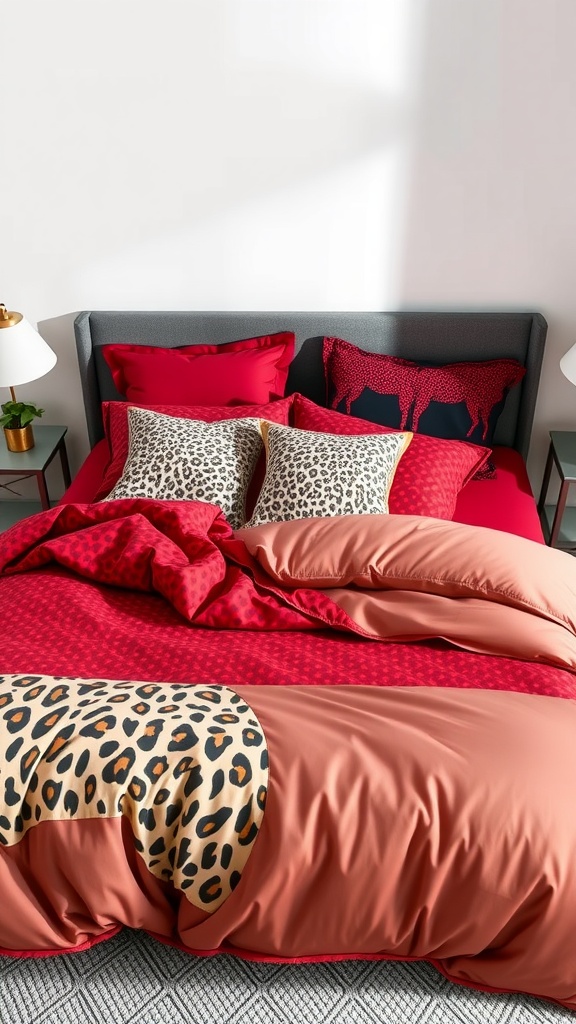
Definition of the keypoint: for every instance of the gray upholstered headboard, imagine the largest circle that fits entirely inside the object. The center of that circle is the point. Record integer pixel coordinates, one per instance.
(437, 336)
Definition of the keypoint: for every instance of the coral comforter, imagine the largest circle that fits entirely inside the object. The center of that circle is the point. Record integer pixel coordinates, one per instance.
(153, 772)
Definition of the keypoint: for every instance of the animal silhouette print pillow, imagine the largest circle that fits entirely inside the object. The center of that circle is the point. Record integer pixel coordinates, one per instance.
(458, 401)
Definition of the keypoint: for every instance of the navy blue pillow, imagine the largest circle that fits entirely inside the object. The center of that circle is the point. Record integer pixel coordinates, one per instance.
(458, 401)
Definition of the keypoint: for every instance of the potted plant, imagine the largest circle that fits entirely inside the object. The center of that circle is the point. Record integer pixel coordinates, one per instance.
(16, 419)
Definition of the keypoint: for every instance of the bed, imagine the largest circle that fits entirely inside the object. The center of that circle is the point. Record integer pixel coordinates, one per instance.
(330, 737)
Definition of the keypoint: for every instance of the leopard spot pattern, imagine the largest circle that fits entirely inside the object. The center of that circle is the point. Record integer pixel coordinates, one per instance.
(188, 460)
(186, 765)
(316, 474)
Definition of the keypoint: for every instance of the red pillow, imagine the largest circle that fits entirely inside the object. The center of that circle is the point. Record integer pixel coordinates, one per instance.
(429, 475)
(240, 372)
(456, 401)
(115, 419)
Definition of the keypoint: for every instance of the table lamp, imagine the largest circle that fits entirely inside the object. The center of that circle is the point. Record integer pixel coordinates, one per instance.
(568, 364)
(24, 356)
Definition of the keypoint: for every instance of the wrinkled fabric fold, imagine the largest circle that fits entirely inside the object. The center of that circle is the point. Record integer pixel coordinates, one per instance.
(407, 578)
(391, 578)
(411, 823)
(426, 815)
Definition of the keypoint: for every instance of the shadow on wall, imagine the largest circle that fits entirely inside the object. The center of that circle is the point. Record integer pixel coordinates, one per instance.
(490, 219)
(243, 220)
(62, 392)
(241, 177)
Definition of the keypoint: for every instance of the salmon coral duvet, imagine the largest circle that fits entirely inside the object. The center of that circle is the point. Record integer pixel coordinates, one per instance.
(331, 738)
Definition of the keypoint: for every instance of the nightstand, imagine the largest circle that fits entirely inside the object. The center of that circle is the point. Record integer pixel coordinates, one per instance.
(49, 441)
(559, 522)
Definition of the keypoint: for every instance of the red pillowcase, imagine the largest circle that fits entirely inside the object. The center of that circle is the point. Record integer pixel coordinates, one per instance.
(240, 372)
(429, 475)
(115, 419)
(456, 401)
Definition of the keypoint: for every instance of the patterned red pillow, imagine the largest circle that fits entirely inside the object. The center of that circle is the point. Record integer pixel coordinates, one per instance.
(429, 475)
(456, 401)
(115, 419)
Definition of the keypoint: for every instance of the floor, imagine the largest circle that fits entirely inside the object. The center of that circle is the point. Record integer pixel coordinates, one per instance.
(131, 979)
(12, 511)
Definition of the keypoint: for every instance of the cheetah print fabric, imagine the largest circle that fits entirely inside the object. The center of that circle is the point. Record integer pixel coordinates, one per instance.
(186, 765)
(315, 474)
(188, 460)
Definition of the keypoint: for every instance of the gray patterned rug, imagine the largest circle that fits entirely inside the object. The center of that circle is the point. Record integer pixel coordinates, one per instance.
(132, 978)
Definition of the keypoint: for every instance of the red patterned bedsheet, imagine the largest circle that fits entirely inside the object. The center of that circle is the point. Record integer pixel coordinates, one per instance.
(58, 623)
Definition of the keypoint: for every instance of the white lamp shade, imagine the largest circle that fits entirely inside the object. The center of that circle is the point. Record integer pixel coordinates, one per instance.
(24, 355)
(568, 364)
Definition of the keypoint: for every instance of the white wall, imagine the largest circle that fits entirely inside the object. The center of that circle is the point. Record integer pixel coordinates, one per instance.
(296, 154)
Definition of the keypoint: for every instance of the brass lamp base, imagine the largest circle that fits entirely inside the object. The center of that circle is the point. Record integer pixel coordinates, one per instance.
(19, 439)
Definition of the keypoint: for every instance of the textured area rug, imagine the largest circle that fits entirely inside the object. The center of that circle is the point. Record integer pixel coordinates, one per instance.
(132, 978)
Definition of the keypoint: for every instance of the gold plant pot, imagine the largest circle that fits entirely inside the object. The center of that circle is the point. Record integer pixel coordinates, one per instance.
(19, 439)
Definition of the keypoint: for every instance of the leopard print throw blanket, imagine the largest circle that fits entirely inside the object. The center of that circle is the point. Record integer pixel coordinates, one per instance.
(186, 765)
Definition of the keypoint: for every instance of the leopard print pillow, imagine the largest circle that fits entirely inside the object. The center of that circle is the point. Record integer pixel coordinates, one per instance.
(314, 474)
(188, 460)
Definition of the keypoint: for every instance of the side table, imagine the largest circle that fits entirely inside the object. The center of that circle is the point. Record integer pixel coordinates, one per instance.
(559, 522)
(22, 465)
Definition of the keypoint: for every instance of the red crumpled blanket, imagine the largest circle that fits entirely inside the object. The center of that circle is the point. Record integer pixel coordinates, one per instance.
(185, 551)
(132, 552)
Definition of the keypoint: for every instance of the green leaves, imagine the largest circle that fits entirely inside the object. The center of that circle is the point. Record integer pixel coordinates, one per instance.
(19, 414)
